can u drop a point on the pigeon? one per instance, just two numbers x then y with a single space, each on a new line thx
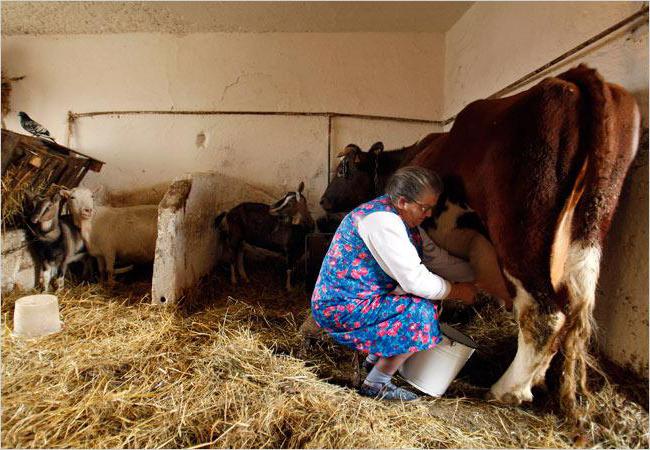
34 128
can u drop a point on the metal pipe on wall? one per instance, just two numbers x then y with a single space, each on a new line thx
512 86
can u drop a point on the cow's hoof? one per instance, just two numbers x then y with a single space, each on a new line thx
510 398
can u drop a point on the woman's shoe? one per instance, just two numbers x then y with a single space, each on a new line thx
387 391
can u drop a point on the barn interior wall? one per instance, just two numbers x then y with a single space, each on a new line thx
494 44
361 73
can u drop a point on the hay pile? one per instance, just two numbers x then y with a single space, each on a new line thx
127 374
15 195
20 184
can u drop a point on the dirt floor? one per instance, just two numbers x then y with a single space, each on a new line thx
226 368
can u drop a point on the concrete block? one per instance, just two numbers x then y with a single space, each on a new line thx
187 247
18 266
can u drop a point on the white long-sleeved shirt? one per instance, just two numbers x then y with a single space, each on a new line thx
440 262
384 233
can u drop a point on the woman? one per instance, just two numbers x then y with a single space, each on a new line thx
373 293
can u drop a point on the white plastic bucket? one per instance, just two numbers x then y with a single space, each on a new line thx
36 315
432 371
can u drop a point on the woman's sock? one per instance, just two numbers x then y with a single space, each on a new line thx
377 378
372 358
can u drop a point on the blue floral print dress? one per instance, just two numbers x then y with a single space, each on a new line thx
353 299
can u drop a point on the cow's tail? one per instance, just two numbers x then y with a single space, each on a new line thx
575 270
575 260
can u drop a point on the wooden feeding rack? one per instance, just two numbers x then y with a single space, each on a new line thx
34 166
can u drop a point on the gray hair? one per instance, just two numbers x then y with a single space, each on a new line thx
411 181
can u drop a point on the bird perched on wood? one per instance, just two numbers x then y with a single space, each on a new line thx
33 127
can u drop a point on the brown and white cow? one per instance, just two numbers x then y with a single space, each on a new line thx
543 170
531 185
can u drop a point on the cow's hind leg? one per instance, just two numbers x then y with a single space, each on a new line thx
581 275
539 331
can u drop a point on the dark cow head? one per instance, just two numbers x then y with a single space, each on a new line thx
356 180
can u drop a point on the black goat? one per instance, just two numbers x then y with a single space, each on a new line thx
280 227
57 240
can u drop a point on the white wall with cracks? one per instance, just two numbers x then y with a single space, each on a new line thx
496 43
392 74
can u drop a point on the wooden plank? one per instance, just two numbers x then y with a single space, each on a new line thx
41 176
58 171
95 165
47 146
81 175
36 161
40 166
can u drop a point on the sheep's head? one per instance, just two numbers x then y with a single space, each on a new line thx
81 203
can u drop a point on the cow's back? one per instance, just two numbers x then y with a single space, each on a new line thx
519 157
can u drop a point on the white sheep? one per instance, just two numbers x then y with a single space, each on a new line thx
127 233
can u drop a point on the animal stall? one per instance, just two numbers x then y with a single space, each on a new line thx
32 167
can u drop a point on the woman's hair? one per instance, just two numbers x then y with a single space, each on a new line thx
411 181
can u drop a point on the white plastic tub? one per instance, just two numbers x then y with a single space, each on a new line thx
432 371
36 315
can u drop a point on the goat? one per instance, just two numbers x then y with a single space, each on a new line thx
280 227
128 233
57 241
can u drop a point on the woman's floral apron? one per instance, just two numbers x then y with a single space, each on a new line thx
352 299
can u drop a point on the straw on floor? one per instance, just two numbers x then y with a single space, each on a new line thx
222 373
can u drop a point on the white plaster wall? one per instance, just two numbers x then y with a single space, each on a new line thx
393 74
272 153
496 43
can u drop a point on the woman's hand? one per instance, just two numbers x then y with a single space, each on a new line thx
465 292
